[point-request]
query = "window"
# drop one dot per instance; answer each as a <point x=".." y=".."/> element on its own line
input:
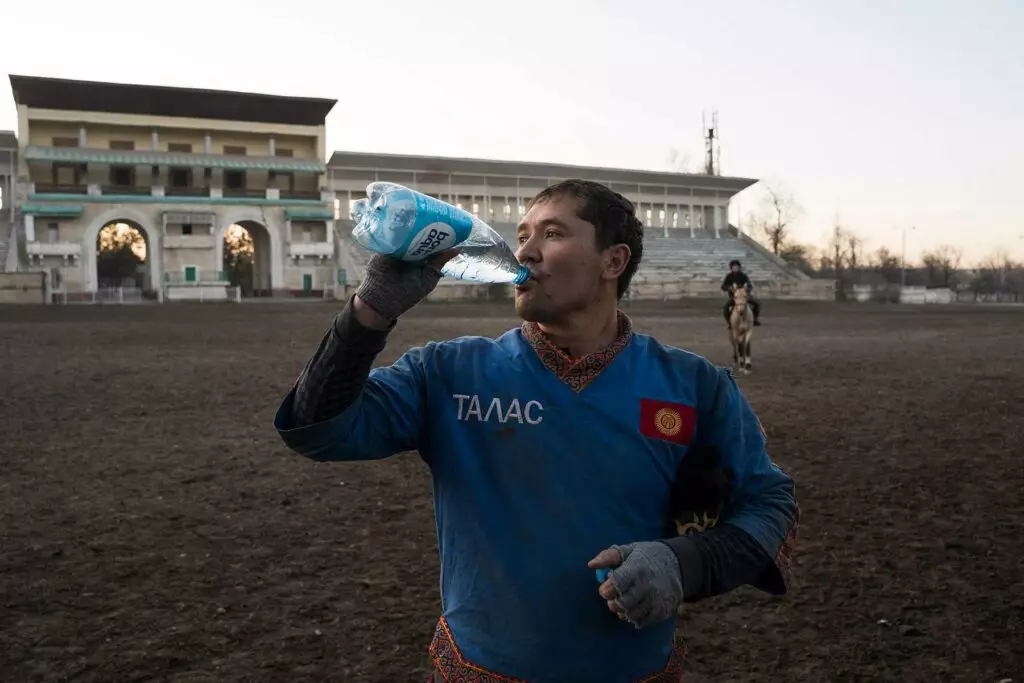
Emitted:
<point x="186" y="229"/>
<point x="65" y="175"/>
<point x="234" y="180"/>
<point x="53" y="230"/>
<point x="179" y="147"/>
<point x="126" y="145"/>
<point x="282" y="152"/>
<point x="181" y="177"/>
<point x="307" y="235"/>
<point x="191" y="273"/>
<point x="234" y="150"/>
<point x="65" y="142"/>
<point x="122" y="176"/>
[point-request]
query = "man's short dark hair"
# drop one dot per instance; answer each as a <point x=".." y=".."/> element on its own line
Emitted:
<point x="612" y="215"/>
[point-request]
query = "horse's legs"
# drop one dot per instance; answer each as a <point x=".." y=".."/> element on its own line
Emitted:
<point x="749" y="360"/>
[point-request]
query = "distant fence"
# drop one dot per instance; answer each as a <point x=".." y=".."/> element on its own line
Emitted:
<point x="924" y="295"/>
<point x="23" y="288"/>
<point x="670" y="290"/>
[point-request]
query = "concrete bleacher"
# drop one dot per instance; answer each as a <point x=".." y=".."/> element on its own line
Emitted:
<point x="678" y="265"/>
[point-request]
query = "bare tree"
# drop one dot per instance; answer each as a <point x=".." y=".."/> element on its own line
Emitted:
<point x="798" y="256"/>
<point x="996" y="271"/>
<point x="942" y="264"/>
<point x="854" y="249"/>
<point x="777" y="211"/>
<point x="888" y="264"/>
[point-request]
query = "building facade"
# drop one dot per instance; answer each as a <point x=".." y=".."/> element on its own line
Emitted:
<point x="180" y="166"/>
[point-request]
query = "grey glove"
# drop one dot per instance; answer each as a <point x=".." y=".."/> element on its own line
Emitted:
<point x="648" y="582"/>
<point x="391" y="287"/>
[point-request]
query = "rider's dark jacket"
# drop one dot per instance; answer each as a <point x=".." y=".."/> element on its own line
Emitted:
<point x="739" y="279"/>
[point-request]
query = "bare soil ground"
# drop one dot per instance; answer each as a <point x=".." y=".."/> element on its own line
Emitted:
<point x="153" y="527"/>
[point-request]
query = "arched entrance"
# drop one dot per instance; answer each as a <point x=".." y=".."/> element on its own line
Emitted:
<point x="122" y="261"/>
<point x="150" y="266"/>
<point x="246" y="258"/>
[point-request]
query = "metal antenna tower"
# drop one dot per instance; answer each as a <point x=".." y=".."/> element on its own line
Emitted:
<point x="712" y="145"/>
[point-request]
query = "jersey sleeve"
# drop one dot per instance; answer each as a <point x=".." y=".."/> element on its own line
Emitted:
<point x="757" y="497"/>
<point x="387" y="417"/>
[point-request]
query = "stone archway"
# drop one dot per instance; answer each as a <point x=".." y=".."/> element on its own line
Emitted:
<point x="252" y="273"/>
<point x="154" y="253"/>
<point x="269" y="264"/>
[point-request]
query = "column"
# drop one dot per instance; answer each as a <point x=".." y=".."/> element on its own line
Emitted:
<point x="693" y="218"/>
<point x="30" y="228"/>
<point x="718" y="220"/>
<point x="330" y="232"/>
<point x="668" y="216"/>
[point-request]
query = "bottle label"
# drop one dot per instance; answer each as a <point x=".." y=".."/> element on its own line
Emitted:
<point x="430" y="240"/>
<point x="438" y="226"/>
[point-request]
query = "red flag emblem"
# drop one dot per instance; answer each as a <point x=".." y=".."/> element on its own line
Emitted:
<point x="672" y="422"/>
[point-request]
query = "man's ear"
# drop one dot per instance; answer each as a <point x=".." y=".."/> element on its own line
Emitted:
<point x="616" y="258"/>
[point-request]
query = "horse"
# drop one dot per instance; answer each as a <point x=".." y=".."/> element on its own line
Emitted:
<point x="741" y="329"/>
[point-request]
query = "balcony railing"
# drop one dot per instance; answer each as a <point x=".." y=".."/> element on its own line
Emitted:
<point x="300" y="194"/>
<point x="66" y="250"/>
<point x="55" y="188"/>
<point x="186" y="191"/>
<point x="322" y="250"/>
<point x="244" y="192"/>
<point x="96" y="190"/>
<point x="189" y="242"/>
<point x="127" y="189"/>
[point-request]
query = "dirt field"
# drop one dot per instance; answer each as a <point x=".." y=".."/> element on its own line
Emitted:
<point x="153" y="527"/>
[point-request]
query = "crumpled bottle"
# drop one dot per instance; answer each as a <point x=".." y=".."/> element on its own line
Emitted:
<point x="402" y="223"/>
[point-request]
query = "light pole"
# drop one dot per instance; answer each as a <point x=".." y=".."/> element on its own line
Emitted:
<point x="903" y="257"/>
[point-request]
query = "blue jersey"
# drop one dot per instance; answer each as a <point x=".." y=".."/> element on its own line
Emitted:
<point x="539" y="462"/>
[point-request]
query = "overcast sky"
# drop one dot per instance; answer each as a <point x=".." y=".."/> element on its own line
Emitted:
<point x="893" y="114"/>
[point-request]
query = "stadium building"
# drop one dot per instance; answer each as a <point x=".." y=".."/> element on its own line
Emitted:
<point x="189" y="168"/>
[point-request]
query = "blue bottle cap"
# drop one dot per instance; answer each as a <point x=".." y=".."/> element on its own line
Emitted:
<point x="602" y="575"/>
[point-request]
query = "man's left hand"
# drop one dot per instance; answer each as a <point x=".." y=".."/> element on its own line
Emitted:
<point x="645" y="585"/>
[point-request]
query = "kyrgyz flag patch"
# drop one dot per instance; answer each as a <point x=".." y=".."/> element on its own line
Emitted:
<point x="673" y="422"/>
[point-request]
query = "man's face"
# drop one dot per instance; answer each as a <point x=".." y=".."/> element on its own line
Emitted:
<point x="569" y="272"/>
<point x="735" y="269"/>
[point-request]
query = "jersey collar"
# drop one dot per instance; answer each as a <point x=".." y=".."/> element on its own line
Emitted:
<point x="577" y="373"/>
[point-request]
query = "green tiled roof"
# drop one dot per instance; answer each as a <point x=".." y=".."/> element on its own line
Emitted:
<point x="309" y="214"/>
<point x="52" y="210"/>
<point x="110" y="157"/>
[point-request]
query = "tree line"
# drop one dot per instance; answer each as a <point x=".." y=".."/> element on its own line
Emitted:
<point x="846" y="259"/>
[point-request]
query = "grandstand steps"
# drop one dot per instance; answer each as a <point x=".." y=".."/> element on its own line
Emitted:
<point x="679" y="257"/>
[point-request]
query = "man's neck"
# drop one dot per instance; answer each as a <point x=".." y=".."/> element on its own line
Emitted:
<point x="585" y="332"/>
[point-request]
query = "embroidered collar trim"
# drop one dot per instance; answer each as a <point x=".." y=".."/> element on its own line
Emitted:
<point x="578" y="373"/>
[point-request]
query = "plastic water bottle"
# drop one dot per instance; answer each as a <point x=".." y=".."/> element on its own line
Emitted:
<point x="402" y="223"/>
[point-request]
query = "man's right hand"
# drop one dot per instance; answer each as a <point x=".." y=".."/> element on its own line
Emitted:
<point x="391" y="287"/>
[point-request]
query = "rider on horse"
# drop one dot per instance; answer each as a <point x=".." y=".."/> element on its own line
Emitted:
<point x="738" y="278"/>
